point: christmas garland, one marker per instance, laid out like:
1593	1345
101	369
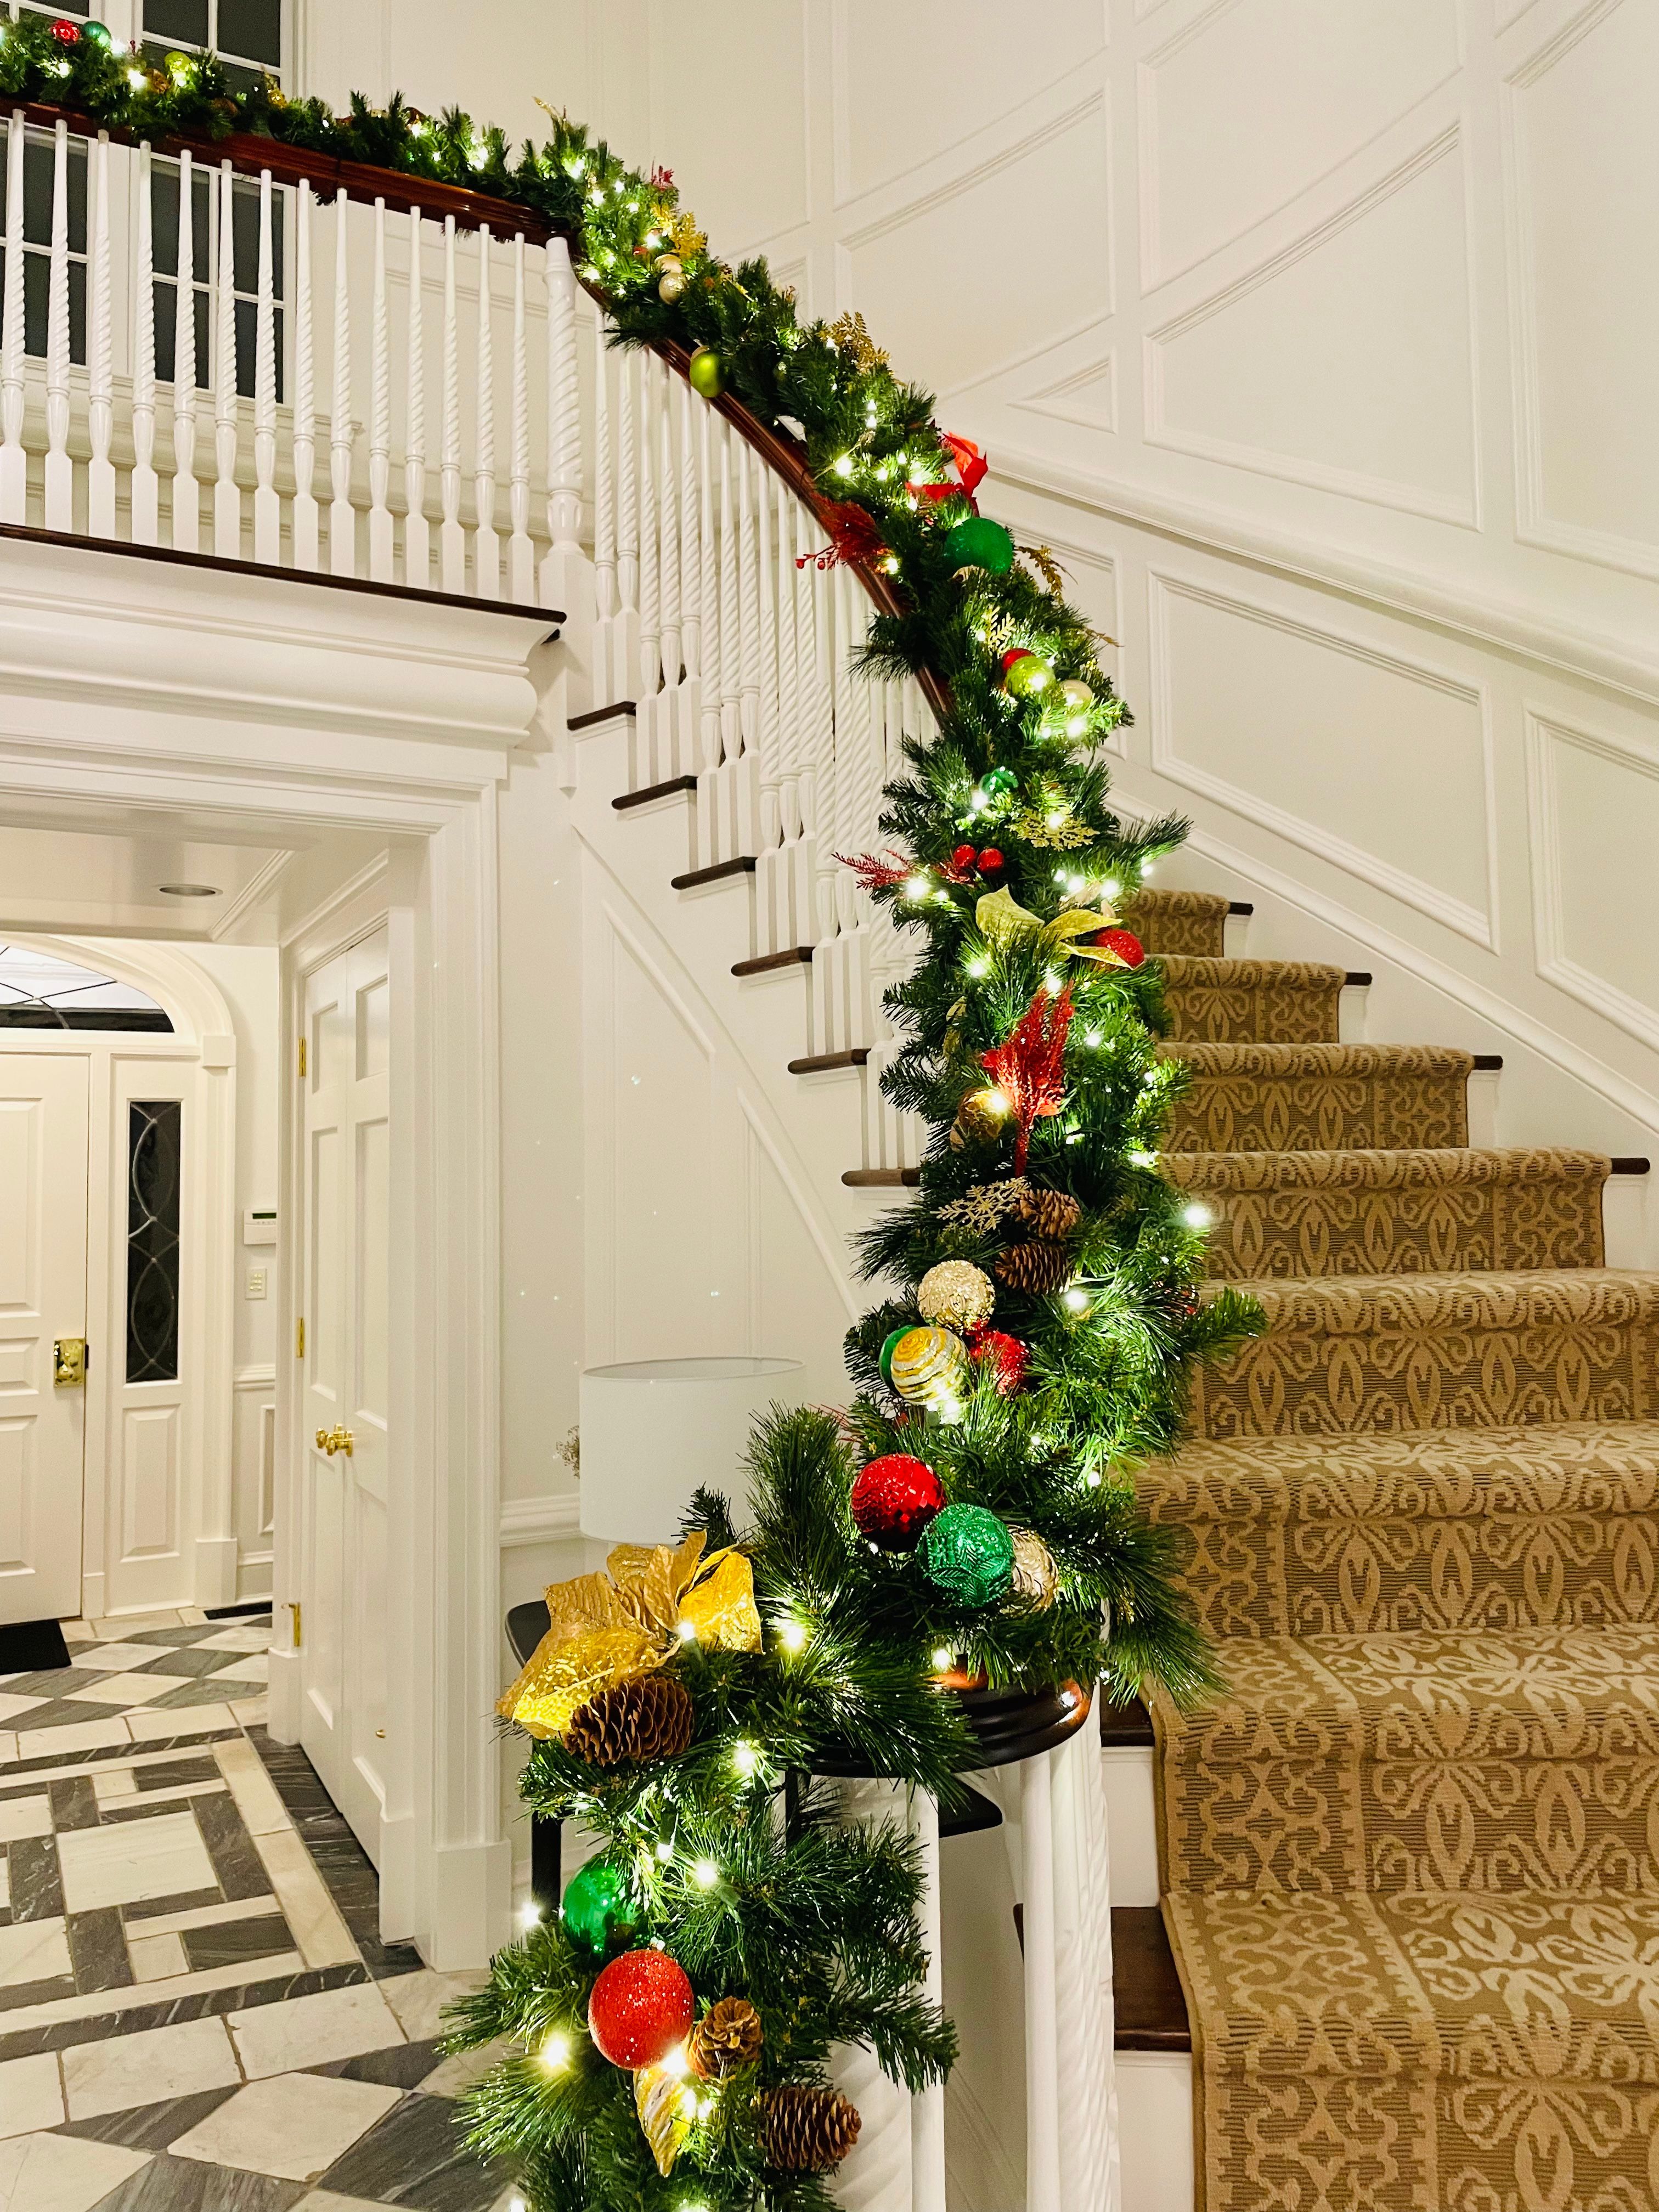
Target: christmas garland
972	1518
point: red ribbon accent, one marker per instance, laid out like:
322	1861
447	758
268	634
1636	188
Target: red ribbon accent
967	467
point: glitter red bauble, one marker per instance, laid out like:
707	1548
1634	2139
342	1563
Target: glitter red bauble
641	2007
990	861
66	34
1006	1356
1126	946
1014	652
894	1500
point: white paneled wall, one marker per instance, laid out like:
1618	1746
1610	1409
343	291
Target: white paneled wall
1318	340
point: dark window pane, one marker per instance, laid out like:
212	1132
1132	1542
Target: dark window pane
204	348
149	1019
240	77
77	308
154	1133
37	287
166	326
177	19
164	218
252	28
247	346
37	192
245	236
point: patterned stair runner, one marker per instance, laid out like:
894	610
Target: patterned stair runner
1411	1854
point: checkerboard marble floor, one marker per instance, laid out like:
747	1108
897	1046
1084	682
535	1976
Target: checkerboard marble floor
196	2013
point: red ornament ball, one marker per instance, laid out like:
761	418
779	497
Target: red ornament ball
1014	652
641	2007
65	32
1004	1355
1126	946
894	1500
991	862
963	858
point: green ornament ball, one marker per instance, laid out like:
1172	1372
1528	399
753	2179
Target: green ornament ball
1028	675
599	1908
979	543
999	782
98	33
969	1553
707	373
898	1336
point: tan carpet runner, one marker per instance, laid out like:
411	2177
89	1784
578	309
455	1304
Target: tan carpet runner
1411	1855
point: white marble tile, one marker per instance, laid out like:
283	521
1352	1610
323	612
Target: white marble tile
246	1667
325	2200
31	2094
309	2031
60	2173
126	1689
310	1911
97	2004
24	1816
13	1708
148	2065
130	1624
206	1915
236	1640
250	1712
191	1616
7	1748
33	1951
78	1735
293	2126
76	1631
113	1782
449	2076
419	1999
263	1811
185	1720
97	1658
133	1859
157	1957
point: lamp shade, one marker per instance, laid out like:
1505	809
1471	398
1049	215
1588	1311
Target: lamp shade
654	1431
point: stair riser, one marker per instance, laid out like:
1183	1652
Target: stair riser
1385	1381
1288	1012
1410	1232
1263	1113
1401	1576
1494	1816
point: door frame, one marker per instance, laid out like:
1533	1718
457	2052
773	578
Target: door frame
199	1061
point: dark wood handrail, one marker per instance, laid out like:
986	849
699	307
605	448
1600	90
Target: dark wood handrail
251	154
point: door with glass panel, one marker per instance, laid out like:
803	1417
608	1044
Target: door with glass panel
344	1364
43	1328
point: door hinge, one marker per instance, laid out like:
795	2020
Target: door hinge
302	1056
300	1337
294	1607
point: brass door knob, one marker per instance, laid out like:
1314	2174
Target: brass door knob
335	1440
323	1443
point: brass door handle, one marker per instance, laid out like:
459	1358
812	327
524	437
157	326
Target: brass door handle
335	1440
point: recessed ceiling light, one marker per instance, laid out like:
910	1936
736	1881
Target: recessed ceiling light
190	890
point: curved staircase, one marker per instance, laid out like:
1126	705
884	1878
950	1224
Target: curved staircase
1409	1860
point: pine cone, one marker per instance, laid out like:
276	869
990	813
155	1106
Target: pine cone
806	2131
649	1718
1050	1212
1036	1267
726	2036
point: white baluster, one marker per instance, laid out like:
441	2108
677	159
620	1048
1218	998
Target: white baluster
625	631
417	534
13	460
605	601
487	545
186	492
101	410
748	585
382	553
342	515
564	441
307	554
731	601
520	553
226	497
1083	2004
452	539
59	511
928	2106
775	903
789	699
690	571
757	555
672	664
145	488
1042	2025
267	505
648	679
709	629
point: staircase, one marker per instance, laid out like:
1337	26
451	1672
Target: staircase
1409	1861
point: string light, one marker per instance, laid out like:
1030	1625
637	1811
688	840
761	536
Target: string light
944	1658
1110	888
556	2053
843	465
1198	1217
792	1636
979	965
677	2063
529	1915
1077	1301
664	1850
1143	1159
705	1873
1093	1040
687	1632
744	1758
917	887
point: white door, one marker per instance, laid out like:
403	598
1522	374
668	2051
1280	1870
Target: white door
344	1429
43	1302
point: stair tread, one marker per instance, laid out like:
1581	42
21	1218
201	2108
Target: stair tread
1185	968
1249	1057
1503	1299
1376	1169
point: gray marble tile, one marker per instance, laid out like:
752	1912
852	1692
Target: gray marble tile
150	2127
172	1773
230	1942
62	1712
73	1804
180	1637
201	1661
239	1869
198	2004
417	2156
183	2184
36	1889
184	1900
99	1948
400	2067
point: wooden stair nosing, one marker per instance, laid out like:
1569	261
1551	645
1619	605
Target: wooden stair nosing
722	871
766	963
672	788
1148	2001
1124	1724
882	1178
1240	906
595	715
1487	1063
823	1063
1356	979
1628	1164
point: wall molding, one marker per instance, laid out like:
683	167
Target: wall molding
262	1377
526	1520
1514	626
1478	924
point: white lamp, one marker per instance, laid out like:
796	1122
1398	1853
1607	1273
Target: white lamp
653	1430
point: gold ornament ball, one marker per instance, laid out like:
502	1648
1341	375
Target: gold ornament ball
666	263
1037	1579
1077	695
929	1367
670	287
956	1294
